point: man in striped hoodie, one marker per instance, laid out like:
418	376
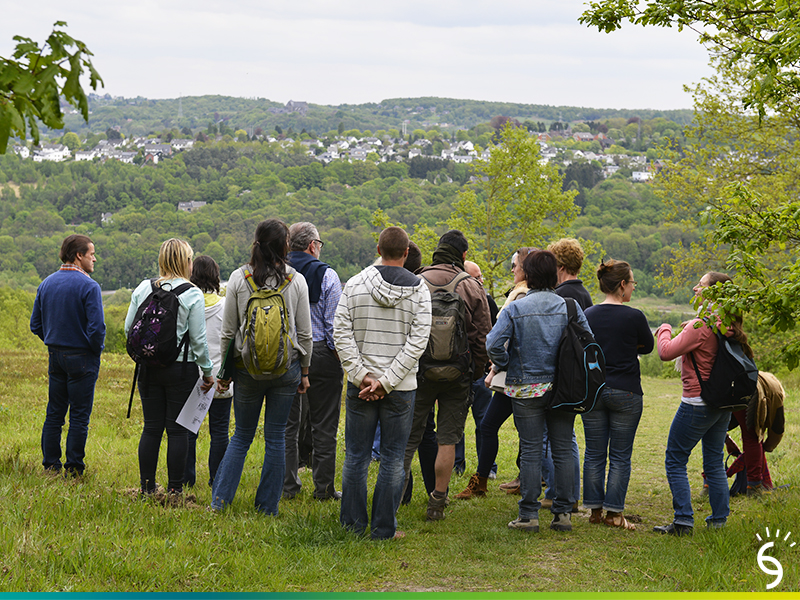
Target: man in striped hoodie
380	330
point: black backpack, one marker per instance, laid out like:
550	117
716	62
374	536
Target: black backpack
580	367
733	379
153	336
447	356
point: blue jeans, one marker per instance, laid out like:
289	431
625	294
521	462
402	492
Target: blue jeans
548	468
248	395
219	420
72	373
394	412
693	424
530	416
610	430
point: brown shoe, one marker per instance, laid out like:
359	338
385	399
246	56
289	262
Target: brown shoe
436	506
510	485
476	488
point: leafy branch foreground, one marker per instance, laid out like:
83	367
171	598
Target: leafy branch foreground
96	535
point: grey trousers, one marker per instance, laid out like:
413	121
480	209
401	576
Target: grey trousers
324	396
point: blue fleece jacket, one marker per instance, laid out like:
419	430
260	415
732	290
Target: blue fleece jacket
68	311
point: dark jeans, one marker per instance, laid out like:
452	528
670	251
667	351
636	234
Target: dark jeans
164	392
497	413
394	412
219	421
72	374
481	397
325	377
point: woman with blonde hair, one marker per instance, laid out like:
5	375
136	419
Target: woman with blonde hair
164	390
610	428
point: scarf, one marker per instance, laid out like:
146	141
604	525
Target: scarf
312	269
445	254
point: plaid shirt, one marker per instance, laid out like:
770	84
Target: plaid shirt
323	311
73	267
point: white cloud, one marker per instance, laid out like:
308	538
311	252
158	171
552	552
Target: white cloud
358	51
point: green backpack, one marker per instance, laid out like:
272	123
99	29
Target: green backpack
266	345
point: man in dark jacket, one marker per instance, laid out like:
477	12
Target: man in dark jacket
324	397
453	395
68	317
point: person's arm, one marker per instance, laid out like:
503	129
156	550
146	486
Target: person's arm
689	339
479	321
302	322
95	320
345	340
416	342
497	338
36	318
196	328
646	341
331	292
582	321
136	299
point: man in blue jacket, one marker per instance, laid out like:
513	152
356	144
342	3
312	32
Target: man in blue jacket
68	317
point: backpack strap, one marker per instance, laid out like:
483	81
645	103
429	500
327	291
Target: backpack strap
451	285
572	311
248	277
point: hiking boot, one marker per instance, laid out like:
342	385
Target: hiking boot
435	511
561	522
531	525
674	529
546	503
476	488
510	485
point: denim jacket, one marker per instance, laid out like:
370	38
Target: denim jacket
532	326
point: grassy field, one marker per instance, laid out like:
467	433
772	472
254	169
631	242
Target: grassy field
96	535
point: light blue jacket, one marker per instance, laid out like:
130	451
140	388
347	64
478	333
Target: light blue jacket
532	326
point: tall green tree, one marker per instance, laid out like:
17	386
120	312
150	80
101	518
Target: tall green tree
763	35
35	77
516	201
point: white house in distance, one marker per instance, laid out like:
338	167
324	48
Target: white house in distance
22	151
640	176
53	152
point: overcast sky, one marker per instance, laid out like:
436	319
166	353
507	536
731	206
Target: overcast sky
357	51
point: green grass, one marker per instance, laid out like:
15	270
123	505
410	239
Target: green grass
96	535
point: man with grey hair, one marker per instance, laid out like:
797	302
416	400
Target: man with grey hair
324	396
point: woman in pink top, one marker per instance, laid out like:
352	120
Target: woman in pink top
695	421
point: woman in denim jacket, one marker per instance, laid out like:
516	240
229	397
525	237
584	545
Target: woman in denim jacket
532	327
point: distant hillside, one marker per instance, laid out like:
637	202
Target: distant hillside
139	116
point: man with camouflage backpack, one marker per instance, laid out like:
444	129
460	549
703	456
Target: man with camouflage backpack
456	350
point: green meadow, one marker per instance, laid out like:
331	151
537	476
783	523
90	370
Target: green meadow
95	534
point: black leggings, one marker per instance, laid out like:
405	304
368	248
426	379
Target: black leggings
164	392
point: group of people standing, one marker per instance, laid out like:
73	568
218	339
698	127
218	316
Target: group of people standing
376	330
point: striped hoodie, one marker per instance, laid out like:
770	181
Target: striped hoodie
381	326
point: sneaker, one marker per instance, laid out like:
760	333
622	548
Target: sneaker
674	529
561	522
492	475
435	510
531	525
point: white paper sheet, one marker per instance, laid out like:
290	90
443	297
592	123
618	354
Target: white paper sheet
196	407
